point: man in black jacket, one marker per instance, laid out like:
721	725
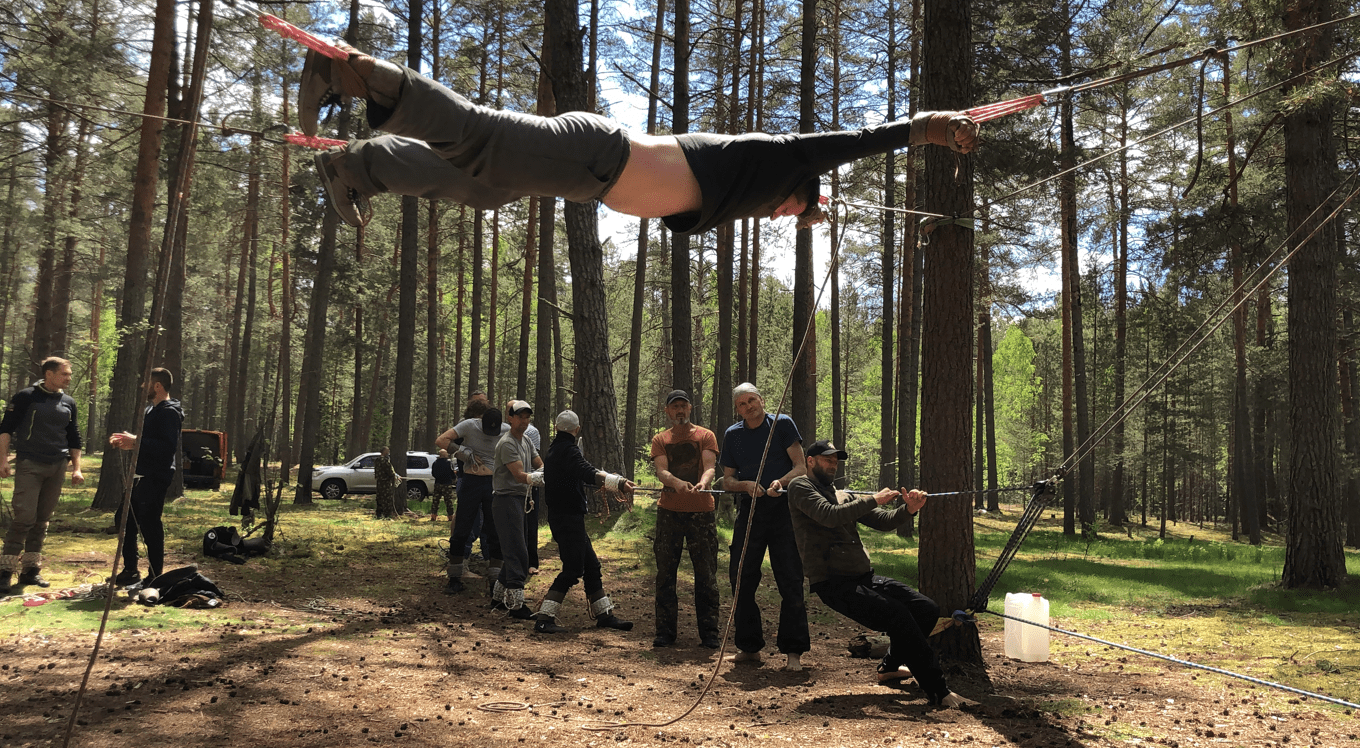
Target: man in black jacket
41	420
161	424
565	476
444	476
443	146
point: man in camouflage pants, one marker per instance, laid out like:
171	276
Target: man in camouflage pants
386	479
685	457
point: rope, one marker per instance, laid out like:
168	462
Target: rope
294	138
185	166
1187	663
1144	390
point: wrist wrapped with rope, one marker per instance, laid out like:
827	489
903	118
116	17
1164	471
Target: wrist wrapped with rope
953	130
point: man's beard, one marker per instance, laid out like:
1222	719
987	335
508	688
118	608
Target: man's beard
823	477
680	421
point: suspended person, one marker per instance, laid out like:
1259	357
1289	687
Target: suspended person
764	508
444	476
566	473
685	458
477	454
841	573
40	421
161	424
442	146
516	471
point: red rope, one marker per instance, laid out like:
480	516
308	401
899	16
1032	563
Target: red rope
988	112
289	31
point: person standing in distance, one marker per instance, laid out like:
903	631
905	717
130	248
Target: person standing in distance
742	453
161	424
40	421
685	458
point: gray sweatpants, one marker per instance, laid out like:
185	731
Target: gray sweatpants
508	511
443	146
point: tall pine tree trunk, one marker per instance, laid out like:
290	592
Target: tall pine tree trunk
947	561
682	337
1314	556
123	397
803	386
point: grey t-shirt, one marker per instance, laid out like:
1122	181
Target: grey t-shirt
483	445
510	450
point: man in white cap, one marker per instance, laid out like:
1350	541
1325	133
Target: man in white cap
842	574
566	473
512	486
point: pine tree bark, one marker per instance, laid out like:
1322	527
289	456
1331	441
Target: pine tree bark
947	561
803	384
1314	555
131	313
590	316
682	337
909	337
887	432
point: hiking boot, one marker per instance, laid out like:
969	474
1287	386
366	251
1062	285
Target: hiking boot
5	582
548	626
499	605
352	207
128	576
32	576
611	621
662	640
326	80
521	613
710	642
454	587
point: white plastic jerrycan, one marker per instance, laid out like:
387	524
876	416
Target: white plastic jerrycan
1024	642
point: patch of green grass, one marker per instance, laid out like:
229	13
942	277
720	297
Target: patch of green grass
1065	707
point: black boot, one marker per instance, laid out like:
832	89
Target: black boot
6	583
548	626
611	621
31	576
128	576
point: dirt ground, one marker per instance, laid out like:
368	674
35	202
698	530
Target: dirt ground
412	666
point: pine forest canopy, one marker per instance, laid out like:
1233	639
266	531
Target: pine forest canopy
1141	245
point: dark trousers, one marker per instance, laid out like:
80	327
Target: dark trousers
772	530
905	615
674	531
443	146
579	562
148	503
474	500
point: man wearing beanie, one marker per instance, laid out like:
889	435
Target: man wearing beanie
685	457
565	476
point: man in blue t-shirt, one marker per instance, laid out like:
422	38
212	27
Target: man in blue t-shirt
742	451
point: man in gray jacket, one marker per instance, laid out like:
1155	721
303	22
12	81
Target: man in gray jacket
839	570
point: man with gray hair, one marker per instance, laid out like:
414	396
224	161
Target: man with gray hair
566	473
748	468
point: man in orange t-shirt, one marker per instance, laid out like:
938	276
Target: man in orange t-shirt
685	457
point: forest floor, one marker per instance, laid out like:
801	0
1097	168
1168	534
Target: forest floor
344	637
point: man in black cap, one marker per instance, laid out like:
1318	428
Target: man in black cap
840	572
477	453
685	457
443	146
566	473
